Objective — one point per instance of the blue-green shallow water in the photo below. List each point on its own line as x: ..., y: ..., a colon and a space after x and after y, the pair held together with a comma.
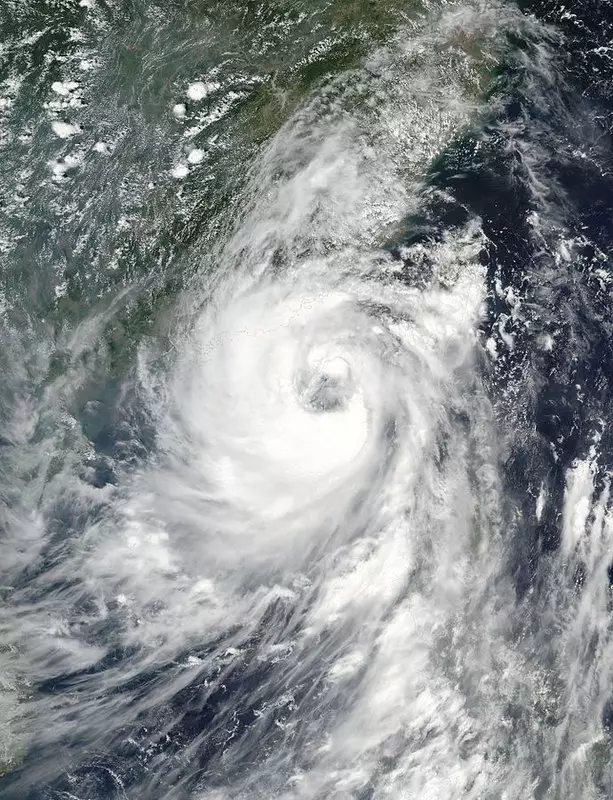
x: 305, y: 450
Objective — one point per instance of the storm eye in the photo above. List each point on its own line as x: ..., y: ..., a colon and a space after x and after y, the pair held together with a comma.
x: 327, y: 385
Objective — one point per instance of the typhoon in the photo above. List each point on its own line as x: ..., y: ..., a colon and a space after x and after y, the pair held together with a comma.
x: 307, y: 345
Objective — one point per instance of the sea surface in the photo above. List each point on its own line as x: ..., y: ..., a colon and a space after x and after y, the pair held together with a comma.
x: 306, y: 400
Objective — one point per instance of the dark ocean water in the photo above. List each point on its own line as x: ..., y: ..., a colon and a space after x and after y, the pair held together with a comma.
x: 307, y: 348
